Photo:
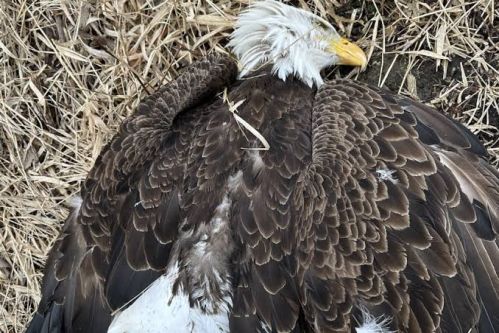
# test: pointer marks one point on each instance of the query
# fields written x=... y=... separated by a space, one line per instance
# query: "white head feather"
x=295 y=41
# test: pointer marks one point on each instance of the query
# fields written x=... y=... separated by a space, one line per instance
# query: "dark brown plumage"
x=366 y=202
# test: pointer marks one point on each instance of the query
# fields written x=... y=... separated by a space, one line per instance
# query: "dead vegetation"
x=72 y=70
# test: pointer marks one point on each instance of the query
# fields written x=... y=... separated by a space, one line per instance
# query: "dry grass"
x=72 y=70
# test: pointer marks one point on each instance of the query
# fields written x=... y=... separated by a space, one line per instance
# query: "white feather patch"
x=258 y=162
x=163 y=308
x=158 y=310
x=235 y=181
x=371 y=324
x=75 y=203
x=387 y=174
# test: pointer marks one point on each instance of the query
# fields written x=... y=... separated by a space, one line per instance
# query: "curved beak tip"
x=348 y=53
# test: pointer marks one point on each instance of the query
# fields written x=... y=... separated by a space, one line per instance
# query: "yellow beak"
x=348 y=53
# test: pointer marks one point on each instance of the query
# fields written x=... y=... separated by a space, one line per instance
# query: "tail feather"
x=482 y=256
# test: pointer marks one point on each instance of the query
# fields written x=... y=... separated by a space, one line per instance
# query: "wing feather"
x=129 y=213
x=430 y=209
x=265 y=296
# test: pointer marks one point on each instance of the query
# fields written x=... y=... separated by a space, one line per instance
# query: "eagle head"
x=294 y=41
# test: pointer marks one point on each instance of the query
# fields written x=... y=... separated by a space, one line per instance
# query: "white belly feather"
x=165 y=305
x=158 y=310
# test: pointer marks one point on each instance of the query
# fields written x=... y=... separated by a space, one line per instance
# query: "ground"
x=72 y=70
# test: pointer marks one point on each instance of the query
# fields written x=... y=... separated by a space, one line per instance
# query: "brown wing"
x=265 y=296
x=118 y=240
x=400 y=217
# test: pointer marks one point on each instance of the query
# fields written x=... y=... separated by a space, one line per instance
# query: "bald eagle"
x=267 y=200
